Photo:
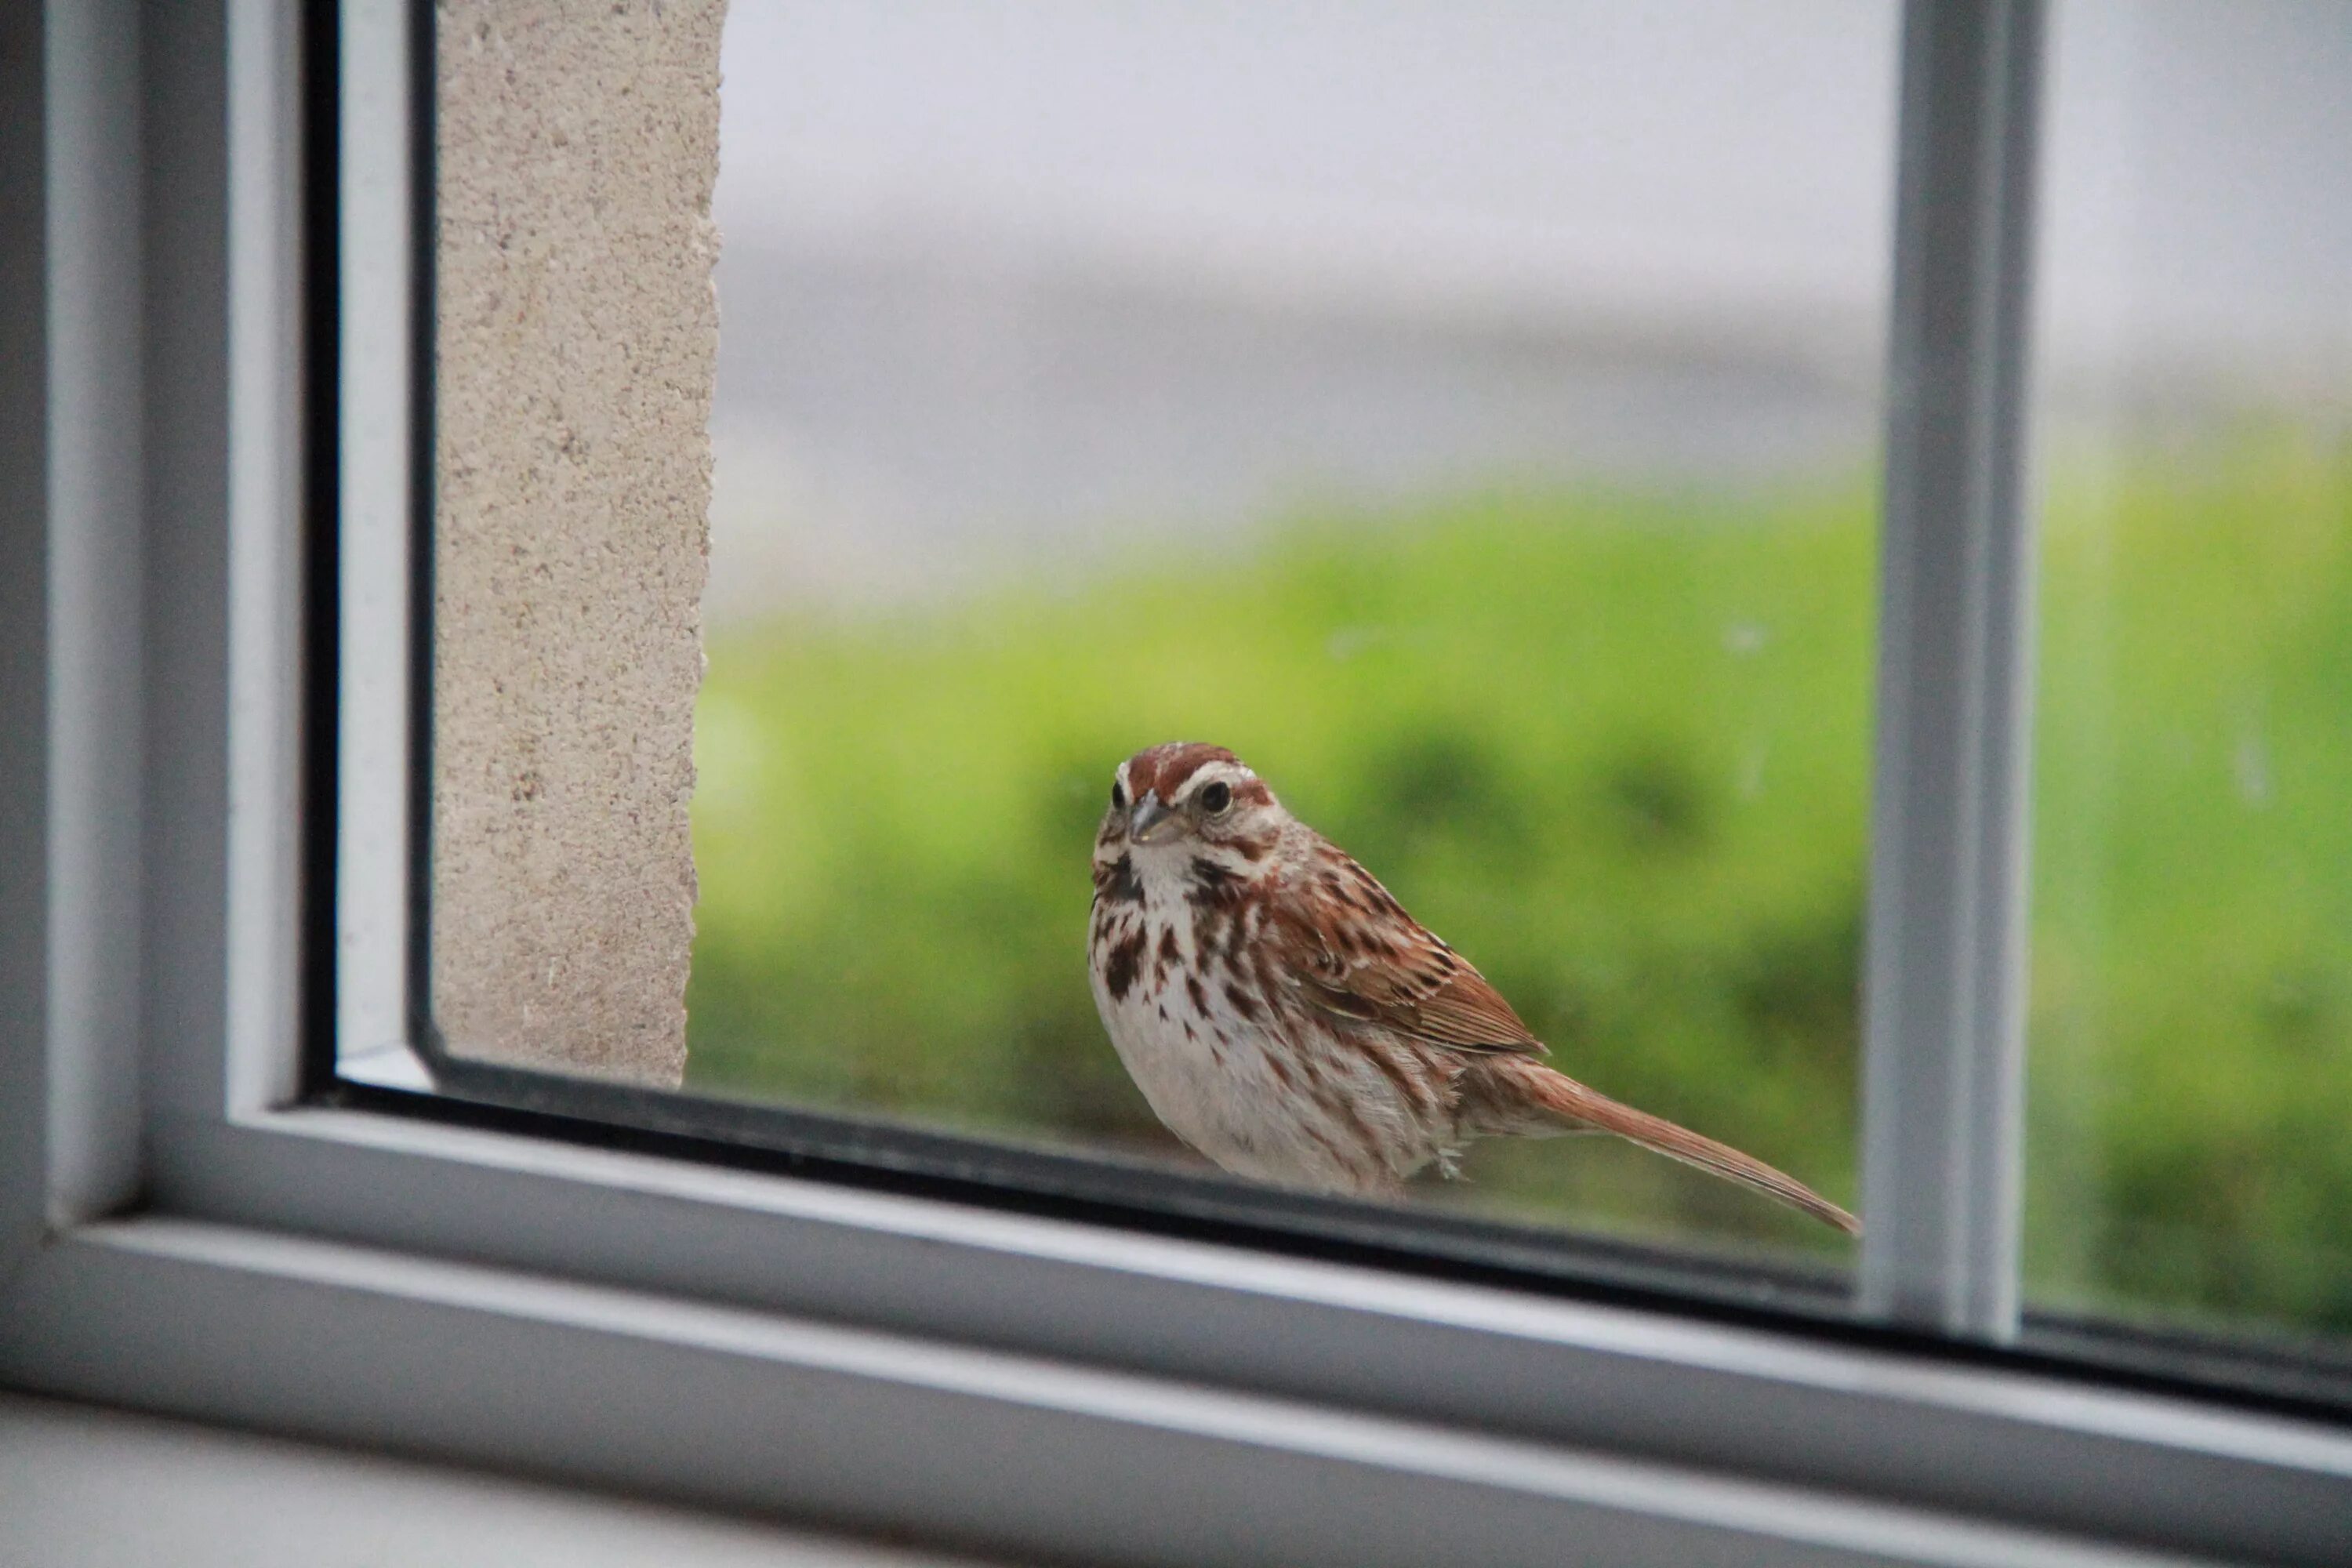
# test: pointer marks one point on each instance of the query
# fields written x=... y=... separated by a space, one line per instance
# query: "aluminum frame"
x=1944 y=983
x=1004 y=1382
x=376 y=482
x=94 y=480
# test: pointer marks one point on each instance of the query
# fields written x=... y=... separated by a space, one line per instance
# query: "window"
x=2193 y=943
x=1448 y=415
x=1037 y=1353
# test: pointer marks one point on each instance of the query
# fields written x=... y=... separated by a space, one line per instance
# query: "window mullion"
x=1943 y=1068
x=377 y=470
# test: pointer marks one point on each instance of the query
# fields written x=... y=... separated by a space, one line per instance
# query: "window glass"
x=1467 y=413
x=2191 y=1023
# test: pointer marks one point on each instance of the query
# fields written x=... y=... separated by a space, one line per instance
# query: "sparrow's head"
x=1185 y=797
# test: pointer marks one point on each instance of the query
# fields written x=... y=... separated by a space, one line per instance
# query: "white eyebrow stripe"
x=1208 y=773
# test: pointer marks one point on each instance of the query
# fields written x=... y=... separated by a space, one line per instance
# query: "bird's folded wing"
x=1408 y=980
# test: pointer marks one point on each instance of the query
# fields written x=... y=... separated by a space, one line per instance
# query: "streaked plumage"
x=1286 y=1019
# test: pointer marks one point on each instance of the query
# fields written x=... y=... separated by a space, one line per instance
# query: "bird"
x=1285 y=1017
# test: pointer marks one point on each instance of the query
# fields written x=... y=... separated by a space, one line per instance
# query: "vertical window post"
x=375 y=292
x=1944 y=975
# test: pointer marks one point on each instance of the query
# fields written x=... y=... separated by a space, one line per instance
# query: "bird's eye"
x=1118 y=797
x=1216 y=798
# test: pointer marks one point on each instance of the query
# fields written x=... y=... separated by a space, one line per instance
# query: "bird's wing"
x=1353 y=952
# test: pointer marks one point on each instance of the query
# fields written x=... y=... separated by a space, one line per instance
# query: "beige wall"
x=577 y=335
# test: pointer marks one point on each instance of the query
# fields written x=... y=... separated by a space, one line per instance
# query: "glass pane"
x=2191 y=1027
x=1467 y=413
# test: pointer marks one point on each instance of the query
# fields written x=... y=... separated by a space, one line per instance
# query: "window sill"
x=622 y=1320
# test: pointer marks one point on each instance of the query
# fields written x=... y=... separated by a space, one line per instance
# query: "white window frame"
x=177 y=1233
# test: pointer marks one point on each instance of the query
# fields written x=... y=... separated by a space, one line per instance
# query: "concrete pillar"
x=576 y=336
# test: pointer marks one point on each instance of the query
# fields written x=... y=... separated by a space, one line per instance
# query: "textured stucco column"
x=577 y=339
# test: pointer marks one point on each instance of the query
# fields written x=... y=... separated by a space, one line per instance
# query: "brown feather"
x=1516 y=1084
x=1352 y=1046
x=1389 y=969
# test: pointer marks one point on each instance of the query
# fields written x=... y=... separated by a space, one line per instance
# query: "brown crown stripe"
x=1165 y=768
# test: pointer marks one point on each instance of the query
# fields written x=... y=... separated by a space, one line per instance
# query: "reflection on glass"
x=2191 y=1027
x=1468 y=417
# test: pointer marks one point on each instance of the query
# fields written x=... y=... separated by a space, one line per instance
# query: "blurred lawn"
x=1613 y=747
x=2191 y=1113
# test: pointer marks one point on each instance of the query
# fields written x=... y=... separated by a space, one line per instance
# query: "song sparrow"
x=1285 y=1017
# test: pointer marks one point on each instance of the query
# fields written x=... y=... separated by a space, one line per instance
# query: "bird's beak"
x=1147 y=816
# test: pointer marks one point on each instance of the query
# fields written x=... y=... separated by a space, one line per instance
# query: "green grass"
x=1614 y=747
x=2193 y=1003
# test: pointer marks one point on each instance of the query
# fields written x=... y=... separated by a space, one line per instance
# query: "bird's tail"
x=1558 y=1096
